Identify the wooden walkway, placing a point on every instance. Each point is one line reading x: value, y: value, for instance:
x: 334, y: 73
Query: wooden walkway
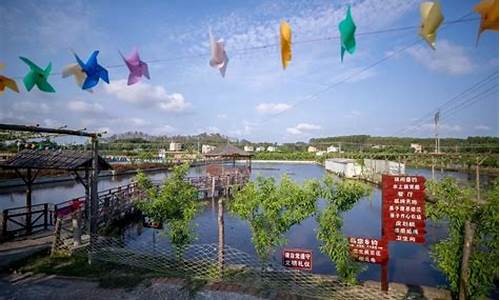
x: 113, y: 204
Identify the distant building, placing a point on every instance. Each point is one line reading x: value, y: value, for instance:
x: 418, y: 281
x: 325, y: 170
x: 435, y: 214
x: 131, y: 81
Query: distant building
x: 332, y: 149
x: 320, y: 153
x: 207, y: 148
x: 343, y: 167
x: 416, y: 147
x: 260, y: 149
x: 175, y: 146
x: 248, y: 148
x: 162, y: 154
x: 271, y: 149
x: 378, y: 146
x: 312, y: 149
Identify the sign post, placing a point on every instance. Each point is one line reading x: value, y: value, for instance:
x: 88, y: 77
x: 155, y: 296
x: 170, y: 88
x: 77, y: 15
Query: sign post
x: 298, y: 259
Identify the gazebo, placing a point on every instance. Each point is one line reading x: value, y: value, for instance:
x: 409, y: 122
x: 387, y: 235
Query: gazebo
x: 230, y: 153
x: 32, y: 161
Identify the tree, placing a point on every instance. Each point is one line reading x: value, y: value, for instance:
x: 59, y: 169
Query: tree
x: 341, y: 197
x: 272, y: 209
x: 175, y: 203
x: 467, y: 218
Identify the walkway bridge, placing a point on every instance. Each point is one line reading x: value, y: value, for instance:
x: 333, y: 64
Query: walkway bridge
x: 113, y: 204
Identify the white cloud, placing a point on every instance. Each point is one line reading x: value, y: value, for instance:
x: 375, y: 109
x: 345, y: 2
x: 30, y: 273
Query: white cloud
x: 163, y: 130
x: 30, y: 107
x: 222, y: 116
x: 85, y: 107
x: 447, y: 58
x: 272, y: 108
x: 144, y: 94
x: 302, y: 128
x: 482, y: 127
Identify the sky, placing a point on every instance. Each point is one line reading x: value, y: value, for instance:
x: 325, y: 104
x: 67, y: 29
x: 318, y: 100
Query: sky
x: 316, y: 96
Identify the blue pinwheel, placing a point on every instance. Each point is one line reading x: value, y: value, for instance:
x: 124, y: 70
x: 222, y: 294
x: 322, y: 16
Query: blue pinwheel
x: 93, y: 70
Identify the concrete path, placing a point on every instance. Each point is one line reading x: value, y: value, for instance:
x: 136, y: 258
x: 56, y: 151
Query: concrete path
x: 40, y: 287
x: 12, y: 251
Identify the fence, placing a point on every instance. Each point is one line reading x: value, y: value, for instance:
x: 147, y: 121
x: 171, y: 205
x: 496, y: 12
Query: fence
x: 200, y: 261
x: 19, y: 221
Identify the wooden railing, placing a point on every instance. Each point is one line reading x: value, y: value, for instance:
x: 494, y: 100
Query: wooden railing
x: 111, y: 202
x: 15, y: 220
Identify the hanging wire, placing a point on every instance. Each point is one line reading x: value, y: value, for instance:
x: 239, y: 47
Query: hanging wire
x: 243, y: 51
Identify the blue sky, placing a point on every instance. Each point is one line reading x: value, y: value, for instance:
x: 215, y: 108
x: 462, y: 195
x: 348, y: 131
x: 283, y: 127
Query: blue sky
x: 257, y: 100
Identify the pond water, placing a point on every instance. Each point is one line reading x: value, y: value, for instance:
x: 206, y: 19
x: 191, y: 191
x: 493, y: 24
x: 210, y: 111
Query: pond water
x: 408, y: 263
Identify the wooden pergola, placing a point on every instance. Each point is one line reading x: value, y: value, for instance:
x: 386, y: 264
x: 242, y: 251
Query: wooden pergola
x: 28, y: 163
x: 231, y: 153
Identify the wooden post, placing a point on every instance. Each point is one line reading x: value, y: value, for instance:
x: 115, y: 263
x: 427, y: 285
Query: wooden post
x: 469, y: 230
x: 93, y: 197
x: 5, y: 215
x: 28, y: 201
x: 433, y: 161
x: 45, y: 215
x: 57, y: 233
x: 76, y: 222
x: 220, y: 222
x: 478, y: 195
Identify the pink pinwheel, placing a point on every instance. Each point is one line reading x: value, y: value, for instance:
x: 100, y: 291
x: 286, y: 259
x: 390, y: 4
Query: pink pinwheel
x: 136, y: 66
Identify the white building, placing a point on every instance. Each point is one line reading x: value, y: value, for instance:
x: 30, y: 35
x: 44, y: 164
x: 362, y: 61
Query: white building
x: 343, y: 167
x: 416, y: 147
x: 332, y: 149
x: 207, y: 148
x: 175, y: 146
x: 260, y: 149
x: 248, y: 148
x: 312, y: 149
x: 162, y: 154
x: 320, y: 153
x: 271, y: 149
x: 380, y: 166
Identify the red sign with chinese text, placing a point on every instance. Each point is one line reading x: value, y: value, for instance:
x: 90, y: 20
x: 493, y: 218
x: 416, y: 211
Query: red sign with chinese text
x: 403, y: 208
x: 298, y: 259
x: 368, y: 250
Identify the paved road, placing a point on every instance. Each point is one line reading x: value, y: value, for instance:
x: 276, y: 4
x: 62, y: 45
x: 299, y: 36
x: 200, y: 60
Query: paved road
x: 39, y: 287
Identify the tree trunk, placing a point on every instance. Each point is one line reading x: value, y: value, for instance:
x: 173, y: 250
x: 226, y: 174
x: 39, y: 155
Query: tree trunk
x: 469, y: 229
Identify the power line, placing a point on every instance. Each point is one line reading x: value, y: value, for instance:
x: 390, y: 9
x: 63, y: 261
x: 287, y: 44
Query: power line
x: 243, y: 51
x: 457, y: 97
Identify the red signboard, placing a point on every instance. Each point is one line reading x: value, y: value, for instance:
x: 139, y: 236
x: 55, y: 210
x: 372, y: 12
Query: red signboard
x: 298, y: 259
x: 403, y: 208
x: 368, y: 250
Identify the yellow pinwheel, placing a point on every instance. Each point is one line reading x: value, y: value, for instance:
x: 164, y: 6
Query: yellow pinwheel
x: 286, y: 43
x: 431, y: 19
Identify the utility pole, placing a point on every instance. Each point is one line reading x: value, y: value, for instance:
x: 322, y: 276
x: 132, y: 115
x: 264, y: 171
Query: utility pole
x: 436, y: 131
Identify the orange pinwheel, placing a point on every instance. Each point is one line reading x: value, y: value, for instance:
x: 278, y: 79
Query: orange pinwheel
x: 7, y: 82
x: 488, y: 9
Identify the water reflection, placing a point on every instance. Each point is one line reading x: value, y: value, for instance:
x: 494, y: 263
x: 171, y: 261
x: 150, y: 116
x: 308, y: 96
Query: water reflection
x: 363, y: 220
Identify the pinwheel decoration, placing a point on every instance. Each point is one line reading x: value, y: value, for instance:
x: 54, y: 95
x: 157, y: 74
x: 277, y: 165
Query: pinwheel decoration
x: 431, y: 16
x: 76, y: 71
x: 7, y: 82
x: 488, y: 9
x: 136, y: 67
x: 347, y: 30
x: 219, y: 59
x: 93, y: 70
x: 37, y: 76
x: 286, y: 43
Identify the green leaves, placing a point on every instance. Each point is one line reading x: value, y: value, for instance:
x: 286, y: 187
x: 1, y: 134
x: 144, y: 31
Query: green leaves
x: 455, y: 204
x: 341, y: 197
x: 272, y: 209
x: 174, y: 202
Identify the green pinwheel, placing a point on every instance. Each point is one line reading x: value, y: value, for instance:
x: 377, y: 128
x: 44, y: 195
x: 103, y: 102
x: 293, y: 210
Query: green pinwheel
x: 37, y: 76
x: 347, y: 29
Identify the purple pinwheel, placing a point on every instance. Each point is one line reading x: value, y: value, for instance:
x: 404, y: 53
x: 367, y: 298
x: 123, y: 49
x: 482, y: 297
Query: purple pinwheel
x: 136, y: 66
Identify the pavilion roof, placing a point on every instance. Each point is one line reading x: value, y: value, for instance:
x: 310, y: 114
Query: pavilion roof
x: 228, y: 151
x: 53, y: 159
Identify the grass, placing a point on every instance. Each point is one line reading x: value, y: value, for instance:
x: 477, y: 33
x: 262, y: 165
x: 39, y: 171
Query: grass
x: 108, y: 275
